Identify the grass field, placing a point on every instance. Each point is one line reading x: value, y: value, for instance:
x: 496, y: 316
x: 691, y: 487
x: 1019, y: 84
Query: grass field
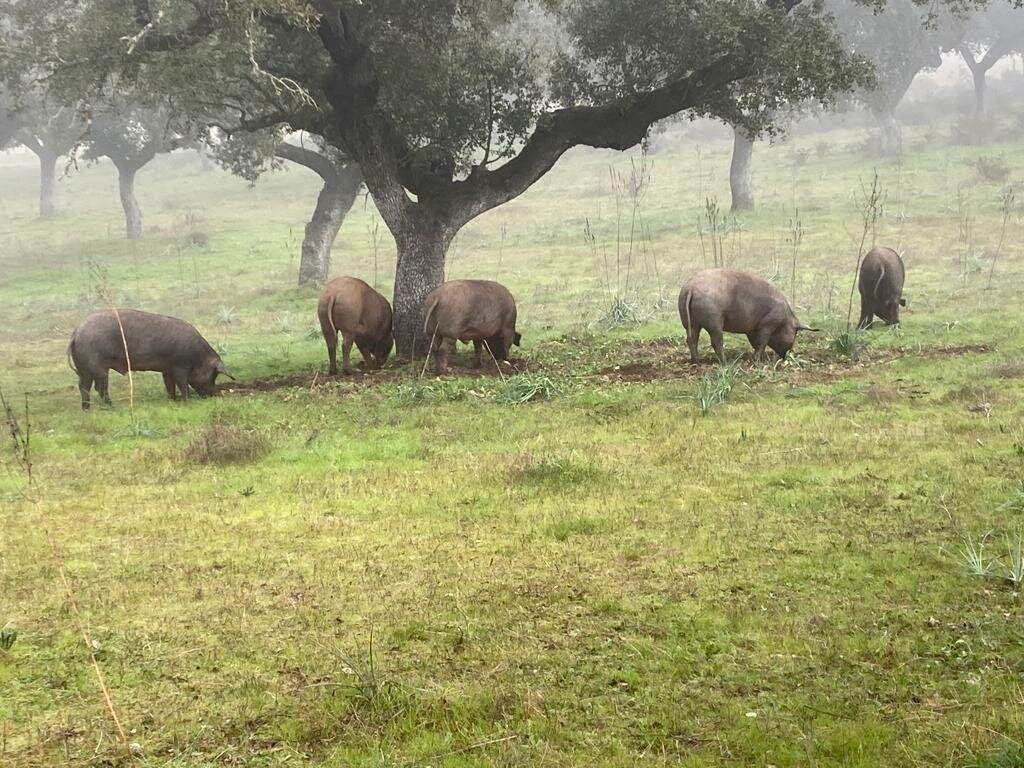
x: 575, y: 564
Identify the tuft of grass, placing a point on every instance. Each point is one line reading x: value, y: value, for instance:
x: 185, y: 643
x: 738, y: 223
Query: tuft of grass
x: 714, y: 388
x: 140, y: 428
x: 567, y: 472
x: 523, y: 387
x: 621, y: 313
x: 992, y: 169
x: 8, y: 636
x: 563, y: 529
x: 284, y: 322
x: 1015, y: 551
x: 848, y: 343
x: 1010, y: 757
x: 972, y: 556
x: 227, y: 444
x: 226, y: 316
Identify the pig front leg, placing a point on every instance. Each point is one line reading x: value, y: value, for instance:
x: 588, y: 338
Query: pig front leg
x: 169, y: 384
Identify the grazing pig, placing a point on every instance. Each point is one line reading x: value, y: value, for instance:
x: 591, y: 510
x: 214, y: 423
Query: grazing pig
x: 363, y: 316
x: 480, y: 311
x: 881, y: 287
x: 737, y: 302
x: 154, y: 343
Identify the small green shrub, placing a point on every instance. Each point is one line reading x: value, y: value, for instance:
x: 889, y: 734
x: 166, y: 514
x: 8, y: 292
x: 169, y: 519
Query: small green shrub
x: 992, y: 169
x: 848, y: 343
x: 226, y: 316
x: 523, y: 387
x: 8, y: 635
x: 561, y: 530
x: 284, y: 322
x: 714, y: 388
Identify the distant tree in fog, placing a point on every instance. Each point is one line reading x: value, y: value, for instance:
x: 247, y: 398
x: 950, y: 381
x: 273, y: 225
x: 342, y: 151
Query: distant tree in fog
x: 900, y: 40
x: 988, y: 36
x: 129, y: 136
x: 249, y: 154
x: 48, y: 129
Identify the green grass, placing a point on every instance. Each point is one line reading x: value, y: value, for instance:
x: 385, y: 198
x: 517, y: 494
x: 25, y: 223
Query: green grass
x: 565, y: 566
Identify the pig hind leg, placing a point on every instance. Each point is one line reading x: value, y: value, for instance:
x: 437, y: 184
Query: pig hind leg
x: 692, y: 338
x: 440, y: 350
x: 102, y: 380
x: 84, y: 385
x: 346, y: 353
x: 331, y: 340
x: 478, y: 348
x: 717, y: 340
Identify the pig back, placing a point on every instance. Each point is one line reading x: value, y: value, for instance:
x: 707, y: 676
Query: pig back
x: 357, y: 308
x: 470, y: 309
x: 736, y: 301
x: 154, y: 342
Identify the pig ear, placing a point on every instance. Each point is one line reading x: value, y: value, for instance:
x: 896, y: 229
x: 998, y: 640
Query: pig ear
x: 222, y: 369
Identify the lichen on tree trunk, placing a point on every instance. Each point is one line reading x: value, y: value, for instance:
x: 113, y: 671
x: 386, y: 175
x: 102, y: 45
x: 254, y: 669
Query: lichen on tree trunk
x: 421, y: 257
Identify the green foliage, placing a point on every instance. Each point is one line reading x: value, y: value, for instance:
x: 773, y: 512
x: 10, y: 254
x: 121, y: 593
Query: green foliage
x: 522, y: 388
x: 714, y: 388
x: 847, y: 342
x: 8, y: 636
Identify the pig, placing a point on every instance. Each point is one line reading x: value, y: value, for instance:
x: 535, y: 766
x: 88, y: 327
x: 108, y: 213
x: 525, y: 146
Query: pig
x: 881, y: 287
x: 154, y: 343
x: 737, y: 302
x: 363, y: 316
x: 480, y: 311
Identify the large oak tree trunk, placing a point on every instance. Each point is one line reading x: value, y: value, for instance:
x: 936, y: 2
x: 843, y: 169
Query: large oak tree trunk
x: 421, y: 256
x: 332, y: 205
x: 739, y: 171
x: 47, y: 183
x: 132, y: 212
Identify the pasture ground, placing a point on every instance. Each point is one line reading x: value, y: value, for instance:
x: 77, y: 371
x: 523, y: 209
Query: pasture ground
x: 389, y: 570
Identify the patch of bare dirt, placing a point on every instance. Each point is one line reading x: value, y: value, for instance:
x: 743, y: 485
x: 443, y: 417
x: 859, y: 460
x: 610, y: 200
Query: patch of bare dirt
x: 1012, y: 370
x: 637, y: 362
x: 361, y: 378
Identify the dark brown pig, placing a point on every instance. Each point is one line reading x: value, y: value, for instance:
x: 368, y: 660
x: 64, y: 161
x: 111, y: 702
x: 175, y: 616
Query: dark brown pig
x: 154, y: 343
x: 881, y: 287
x: 363, y: 316
x: 727, y: 300
x: 480, y: 311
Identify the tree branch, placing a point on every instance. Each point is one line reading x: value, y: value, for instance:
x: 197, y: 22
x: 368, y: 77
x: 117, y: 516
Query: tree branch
x: 619, y: 124
x: 315, y: 161
x: 147, y: 39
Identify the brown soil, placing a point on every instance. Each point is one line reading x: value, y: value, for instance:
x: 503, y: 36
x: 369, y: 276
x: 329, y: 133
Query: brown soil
x: 361, y: 379
x: 645, y: 361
